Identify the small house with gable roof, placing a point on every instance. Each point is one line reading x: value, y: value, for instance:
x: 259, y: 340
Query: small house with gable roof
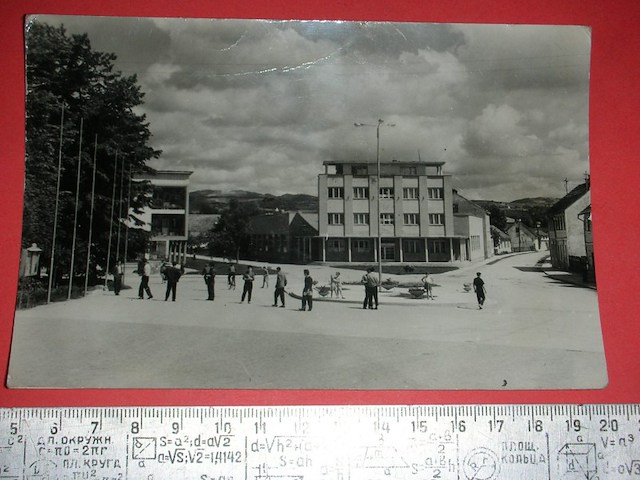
x: 566, y: 229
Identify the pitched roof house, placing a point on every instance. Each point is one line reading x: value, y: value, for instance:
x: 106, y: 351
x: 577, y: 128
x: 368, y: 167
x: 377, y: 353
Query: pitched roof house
x: 566, y: 229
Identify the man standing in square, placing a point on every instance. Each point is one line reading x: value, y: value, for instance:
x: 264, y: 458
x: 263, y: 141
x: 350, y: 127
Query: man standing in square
x: 144, y: 279
x: 173, y: 274
x: 281, y: 282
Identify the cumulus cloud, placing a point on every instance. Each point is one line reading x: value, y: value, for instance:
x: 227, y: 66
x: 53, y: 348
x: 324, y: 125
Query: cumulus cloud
x: 259, y: 105
x: 498, y: 133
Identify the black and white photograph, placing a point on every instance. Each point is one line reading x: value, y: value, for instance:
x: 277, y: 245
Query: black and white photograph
x: 332, y: 205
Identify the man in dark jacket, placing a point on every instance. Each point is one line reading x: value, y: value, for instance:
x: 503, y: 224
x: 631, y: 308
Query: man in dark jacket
x: 209, y: 275
x: 479, y: 288
x: 307, y: 291
x: 173, y: 274
x: 370, y: 281
x: 281, y: 282
x: 248, y: 278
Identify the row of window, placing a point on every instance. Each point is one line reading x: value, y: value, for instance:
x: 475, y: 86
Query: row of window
x: 408, y: 193
x: 363, y: 170
x: 337, y: 245
x: 386, y: 219
x: 558, y: 223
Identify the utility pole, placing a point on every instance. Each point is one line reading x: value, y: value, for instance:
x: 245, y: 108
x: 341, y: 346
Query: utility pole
x: 377, y: 127
x: 75, y: 216
x: 55, y: 214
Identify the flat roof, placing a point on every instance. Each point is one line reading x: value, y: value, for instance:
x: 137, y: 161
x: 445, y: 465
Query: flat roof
x: 384, y: 162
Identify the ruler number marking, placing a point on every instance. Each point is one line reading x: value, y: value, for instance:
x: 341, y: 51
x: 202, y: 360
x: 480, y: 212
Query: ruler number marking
x: 535, y: 425
x: 94, y: 427
x: 496, y: 425
x: 419, y: 426
x: 608, y: 425
x: 573, y: 425
x: 459, y: 426
x: 175, y: 428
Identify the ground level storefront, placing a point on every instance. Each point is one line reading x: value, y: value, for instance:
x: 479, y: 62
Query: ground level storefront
x: 349, y: 249
x: 307, y: 249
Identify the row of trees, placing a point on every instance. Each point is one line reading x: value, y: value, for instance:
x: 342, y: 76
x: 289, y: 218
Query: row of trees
x: 69, y: 85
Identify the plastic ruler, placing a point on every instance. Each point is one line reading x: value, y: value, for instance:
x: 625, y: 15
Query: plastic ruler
x: 469, y: 442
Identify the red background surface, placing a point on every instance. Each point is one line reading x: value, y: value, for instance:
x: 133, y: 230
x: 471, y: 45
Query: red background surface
x: 615, y: 147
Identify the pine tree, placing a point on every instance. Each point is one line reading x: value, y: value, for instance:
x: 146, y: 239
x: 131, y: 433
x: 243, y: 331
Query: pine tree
x: 64, y: 70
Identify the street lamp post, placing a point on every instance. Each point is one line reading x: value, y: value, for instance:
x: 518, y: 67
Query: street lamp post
x: 377, y: 126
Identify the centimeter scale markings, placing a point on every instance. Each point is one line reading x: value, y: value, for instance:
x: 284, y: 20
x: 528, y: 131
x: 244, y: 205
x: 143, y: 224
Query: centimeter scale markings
x: 572, y: 442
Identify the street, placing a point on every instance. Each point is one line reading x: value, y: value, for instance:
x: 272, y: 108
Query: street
x: 534, y: 333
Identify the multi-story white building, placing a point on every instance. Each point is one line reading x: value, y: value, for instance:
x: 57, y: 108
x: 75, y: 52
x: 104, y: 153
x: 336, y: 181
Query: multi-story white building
x: 167, y: 216
x: 415, y: 219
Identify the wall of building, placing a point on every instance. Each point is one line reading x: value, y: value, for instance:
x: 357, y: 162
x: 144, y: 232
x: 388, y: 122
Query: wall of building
x: 521, y: 239
x: 477, y: 238
x: 575, y: 226
x: 322, y: 205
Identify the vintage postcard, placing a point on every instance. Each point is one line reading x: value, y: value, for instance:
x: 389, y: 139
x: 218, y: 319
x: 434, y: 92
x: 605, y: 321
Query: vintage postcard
x: 246, y: 204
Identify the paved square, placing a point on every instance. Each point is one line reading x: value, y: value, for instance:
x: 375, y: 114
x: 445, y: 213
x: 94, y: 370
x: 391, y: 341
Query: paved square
x: 534, y: 333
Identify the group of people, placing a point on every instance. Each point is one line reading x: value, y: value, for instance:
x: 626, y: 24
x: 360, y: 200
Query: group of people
x: 248, y: 278
x: 171, y: 274
x: 231, y: 276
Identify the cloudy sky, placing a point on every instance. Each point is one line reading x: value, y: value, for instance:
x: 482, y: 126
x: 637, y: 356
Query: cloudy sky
x: 258, y: 105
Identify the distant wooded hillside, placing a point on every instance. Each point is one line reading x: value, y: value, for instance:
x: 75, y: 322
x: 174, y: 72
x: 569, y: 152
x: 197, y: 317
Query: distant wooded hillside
x: 216, y: 201
x: 529, y: 210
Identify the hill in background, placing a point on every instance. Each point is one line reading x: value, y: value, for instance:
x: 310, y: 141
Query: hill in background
x: 216, y: 201
x: 519, y: 205
x: 529, y: 210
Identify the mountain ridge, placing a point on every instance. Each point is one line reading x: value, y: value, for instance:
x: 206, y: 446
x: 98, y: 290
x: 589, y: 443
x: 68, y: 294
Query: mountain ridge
x: 213, y: 201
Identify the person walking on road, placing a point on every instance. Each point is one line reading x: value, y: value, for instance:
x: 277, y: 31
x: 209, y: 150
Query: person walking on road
x: 370, y: 281
x: 144, y: 279
x: 427, y: 283
x: 336, y: 285
x: 117, y: 278
x: 231, y: 276
x: 209, y: 275
x: 307, y: 291
x: 248, y: 278
x: 265, y: 277
x: 173, y: 274
x: 478, y: 287
x: 281, y: 283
